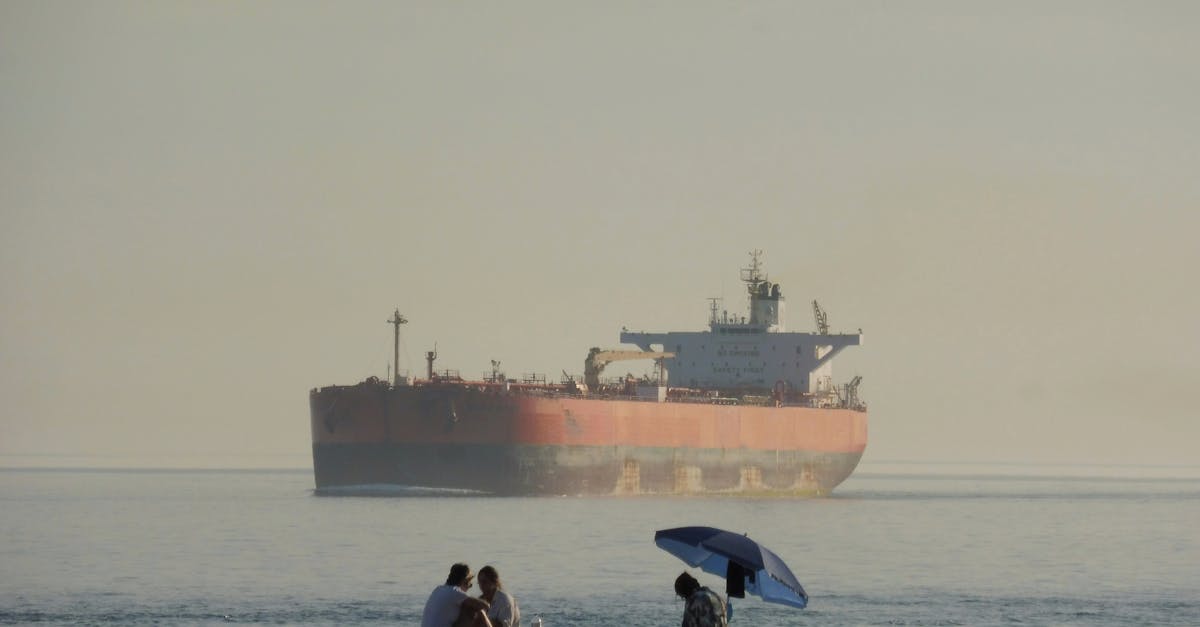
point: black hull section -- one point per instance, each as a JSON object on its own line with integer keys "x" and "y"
{"x": 510, "y": 470}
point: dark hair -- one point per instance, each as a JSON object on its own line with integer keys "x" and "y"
{"x": 490, "y": 573}
{"x": 685, "y": 585}
{"x": 458, "y": 574}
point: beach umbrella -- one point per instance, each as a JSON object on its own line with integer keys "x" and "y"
{"x": 746, "y": 565}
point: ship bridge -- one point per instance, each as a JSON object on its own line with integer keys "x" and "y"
{"x": 751, "y": 351}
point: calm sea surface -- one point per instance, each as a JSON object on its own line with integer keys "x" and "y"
{"x": 257, "y": 547}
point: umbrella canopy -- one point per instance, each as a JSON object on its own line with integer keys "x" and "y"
{"x": 745, "y": 564}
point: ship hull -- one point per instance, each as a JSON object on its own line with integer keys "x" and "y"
{"x": 491, "y": 441}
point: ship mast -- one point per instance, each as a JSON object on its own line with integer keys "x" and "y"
{"x": 753, "y": 275}
{"x": 396, "y": 321}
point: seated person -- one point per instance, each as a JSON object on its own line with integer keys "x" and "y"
{"x": 449, "y": 605}
{"x": 504, "y": 611}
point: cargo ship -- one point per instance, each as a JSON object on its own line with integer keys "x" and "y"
{"x": 744, "y": 407}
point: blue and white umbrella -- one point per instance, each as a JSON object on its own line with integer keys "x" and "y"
{"x": 745, "y": 564}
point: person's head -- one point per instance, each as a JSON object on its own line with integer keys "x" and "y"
{"x": 460, "y": 575}
{"x": 489, "y": 580}
{"x": 685, "y": 585}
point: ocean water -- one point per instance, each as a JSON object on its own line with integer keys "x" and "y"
{"x": 164, "y": 547}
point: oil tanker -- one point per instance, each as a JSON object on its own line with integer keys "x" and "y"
{"x": 744, "y": 407}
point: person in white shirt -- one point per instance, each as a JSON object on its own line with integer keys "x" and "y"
{"x": 449, "y": 605}
{"x": 504, "y": 611}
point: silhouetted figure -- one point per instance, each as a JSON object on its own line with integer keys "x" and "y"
{"x": 702, "y": 607}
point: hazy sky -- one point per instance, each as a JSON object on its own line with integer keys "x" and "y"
{"x": 208, "y": 208}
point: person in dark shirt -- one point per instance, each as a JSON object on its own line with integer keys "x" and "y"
{"x": 702, "y": 607}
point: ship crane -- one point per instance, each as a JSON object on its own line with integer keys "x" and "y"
{"x": 597, "y": 359}
{"x": 849, "y": 393}
{"x": 822, "y": 319}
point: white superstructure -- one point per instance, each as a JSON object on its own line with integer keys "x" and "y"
{"x": 749, "y": 352}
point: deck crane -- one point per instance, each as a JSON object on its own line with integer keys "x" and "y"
{"x": 849, "y": 393}
{"x": 597, "y": 359}
{"x": 822, "y": 319}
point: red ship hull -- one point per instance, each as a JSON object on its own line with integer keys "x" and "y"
{"x": 484, "y": 438}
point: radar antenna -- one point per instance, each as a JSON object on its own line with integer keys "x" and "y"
{"x": 712, "y": 309}
{"x": 753, "y": 275}
{"x": 822, "y": 319}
